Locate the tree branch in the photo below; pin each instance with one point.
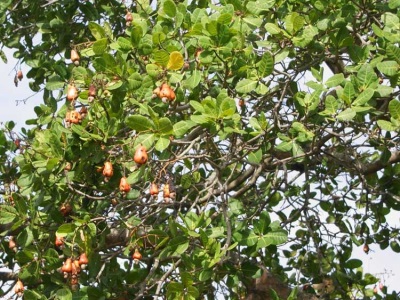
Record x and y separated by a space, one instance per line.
8 276
378 165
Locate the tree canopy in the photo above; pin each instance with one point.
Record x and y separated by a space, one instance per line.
189 149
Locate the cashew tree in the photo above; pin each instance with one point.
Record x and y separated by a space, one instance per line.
189 149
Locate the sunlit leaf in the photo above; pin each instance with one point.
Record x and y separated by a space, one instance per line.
175 61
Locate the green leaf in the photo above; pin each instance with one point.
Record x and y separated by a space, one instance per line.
25 238
146 140
294 22
158 37
97 31
394 245
335 80
161 57
386 125
197 106
170 8
136 176
191 220
65 229
285 146
306 37
353 263
124 44
393 52
79 73
255 157
3 56
193 81
347 115
262 225
162 143
174 288
394 109
153 70
64 294
7 214
205 274
266 65
272 238
100 46
135 81
393 4
367 75
254 22
389 68
165 126
175 61
251 239
259 6
364 97
192 293
139 123
246 86
181 128
348 92
54 85
200 119
178 245
272 28
227 108
136 35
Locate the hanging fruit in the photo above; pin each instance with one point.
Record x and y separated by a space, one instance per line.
154 189
83 112
66 209
140 155
124 185
108 169
137 256
59 242
19 288
75 57
366 248
166 93
83 260
67 267
20 75
68 166
75 117
156 92
72 93
128 18
166 191
76 268
67 117
92 92
12 244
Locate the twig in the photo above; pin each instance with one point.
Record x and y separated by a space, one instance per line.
164 277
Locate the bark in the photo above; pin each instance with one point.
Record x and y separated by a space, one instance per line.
379 165
8 276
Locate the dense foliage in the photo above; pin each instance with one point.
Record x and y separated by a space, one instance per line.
184 147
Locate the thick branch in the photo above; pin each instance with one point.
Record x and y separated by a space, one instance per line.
117 237
378 165
8 276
